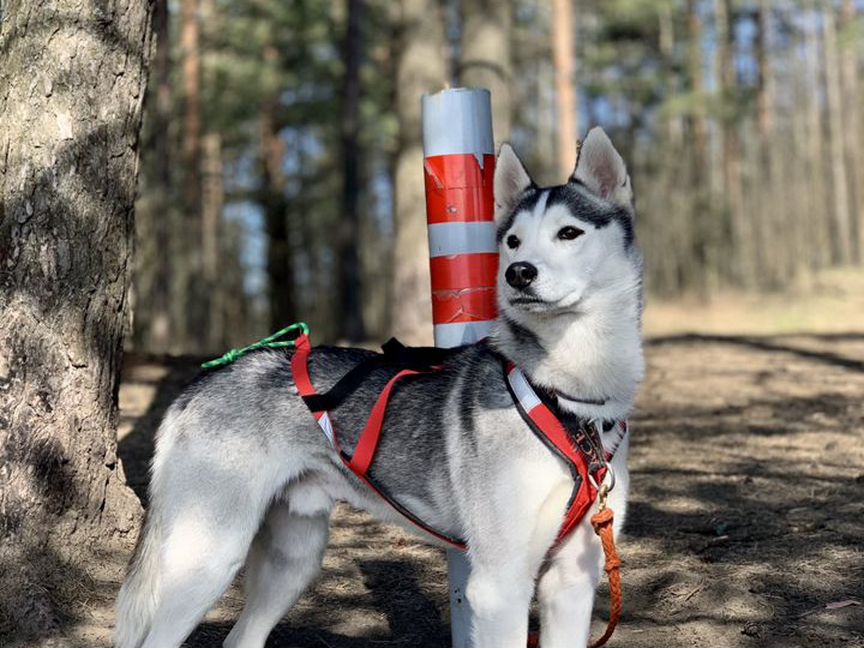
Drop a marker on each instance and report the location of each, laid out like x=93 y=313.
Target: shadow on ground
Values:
x=745 y=526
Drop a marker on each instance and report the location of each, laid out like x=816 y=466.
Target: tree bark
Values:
x=486 y=62
x=347 y=254
x=563 y=39
x=420 y=69
x=72 y=79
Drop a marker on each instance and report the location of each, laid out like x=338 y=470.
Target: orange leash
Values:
x=602 y=523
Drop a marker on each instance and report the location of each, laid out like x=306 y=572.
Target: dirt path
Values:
x=746 y=521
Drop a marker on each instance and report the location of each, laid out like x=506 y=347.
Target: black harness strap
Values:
x=396 y=356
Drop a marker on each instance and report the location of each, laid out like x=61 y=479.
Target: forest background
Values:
x=281 y=174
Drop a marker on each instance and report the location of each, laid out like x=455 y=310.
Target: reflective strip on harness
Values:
x=546 y=425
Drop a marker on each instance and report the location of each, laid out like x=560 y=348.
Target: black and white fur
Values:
x=243 y=475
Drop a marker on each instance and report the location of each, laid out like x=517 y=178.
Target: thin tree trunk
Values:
x=194 y=293
x=842 y=227
x=190 y=44
x=765 y=90
x=421 y=68
x=347 y=254
x=212 y=203
x=819 y=230
x=678 y=226
x=763 y=205
x=159 y=316
x=733 y=196
x=71 y=114
x=697 y=83
x=852 y=129
x=563 y=39
x=486 y=59
x=280 y=271
x=702 y=270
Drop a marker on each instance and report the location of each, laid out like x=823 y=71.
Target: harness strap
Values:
x=364 y=453
x=396 y=356
x=367 y=445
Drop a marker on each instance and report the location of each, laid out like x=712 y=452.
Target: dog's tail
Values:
x=139 y=596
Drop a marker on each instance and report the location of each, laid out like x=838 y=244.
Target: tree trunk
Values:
x=486 y=35
x=420 y=69
x=159 y=330
x=842 y=234
x=563 y=39
x=818 y=203
x=70 y=107
x=697 y=84
x=212 y=203
x=765 y=90
x=733 y=195
x=703 y=256
x=194 y=293
x=763 y=203
x=347 y=253
x=280 y=271
x=852 y=127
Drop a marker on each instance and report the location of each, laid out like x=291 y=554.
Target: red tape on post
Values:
x=458 y=189
x=469 y=305
x=464 y=271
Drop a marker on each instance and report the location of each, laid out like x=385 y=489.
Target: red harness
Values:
x=582 y=451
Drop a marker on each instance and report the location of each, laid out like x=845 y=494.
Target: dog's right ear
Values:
x=511 y=179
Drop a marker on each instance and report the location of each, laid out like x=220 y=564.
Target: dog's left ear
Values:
x=601 y=169
x=511 y=179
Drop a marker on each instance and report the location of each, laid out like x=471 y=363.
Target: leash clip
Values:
x=603 y=489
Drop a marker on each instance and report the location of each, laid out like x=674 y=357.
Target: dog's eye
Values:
x=569 y=233
x=513 y=241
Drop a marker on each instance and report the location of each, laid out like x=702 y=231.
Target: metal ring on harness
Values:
x=601 y=457
x=610 y=473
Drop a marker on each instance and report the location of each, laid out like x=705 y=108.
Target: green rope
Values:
x=270 y=342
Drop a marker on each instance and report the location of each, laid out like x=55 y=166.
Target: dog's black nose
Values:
x=520 y=275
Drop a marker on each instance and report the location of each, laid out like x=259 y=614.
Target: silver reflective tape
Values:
x=448 y=239
x=458 y=122
x=459 y=333
x=327 y=427
x=524 y=392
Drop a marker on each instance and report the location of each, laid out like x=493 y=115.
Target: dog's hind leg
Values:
x=284 y=560
x=207 y=534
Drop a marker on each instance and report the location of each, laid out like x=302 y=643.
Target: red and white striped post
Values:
x=459 y=168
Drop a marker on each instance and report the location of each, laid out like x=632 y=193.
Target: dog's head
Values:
x=563 y=247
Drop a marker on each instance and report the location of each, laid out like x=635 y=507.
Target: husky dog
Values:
x=243 y=475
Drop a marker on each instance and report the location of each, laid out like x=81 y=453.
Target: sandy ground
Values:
x=746 y=524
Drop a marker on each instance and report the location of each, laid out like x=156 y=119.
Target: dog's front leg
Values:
x=500 y=597
x=566 y=591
